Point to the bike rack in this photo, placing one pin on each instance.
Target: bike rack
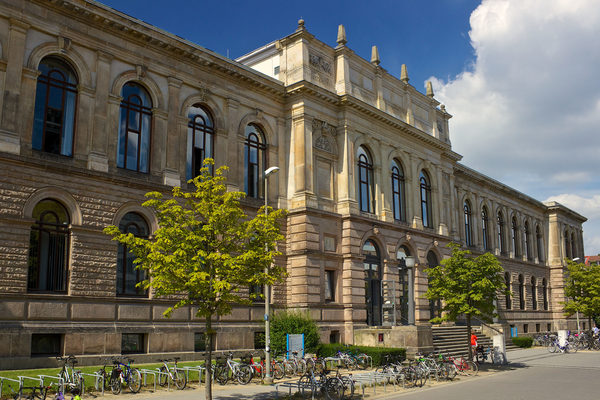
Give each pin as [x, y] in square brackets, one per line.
[96, 376]
[146, 372]
[2, 379]
[197, 368]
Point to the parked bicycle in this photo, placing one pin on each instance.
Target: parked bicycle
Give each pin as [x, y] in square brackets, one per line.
[29, 392]
[230, 370]
[71, 379]
[173, 373]
[313, 383]
[125, 373]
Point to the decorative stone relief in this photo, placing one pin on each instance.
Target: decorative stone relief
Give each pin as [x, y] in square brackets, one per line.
[324, 134]
[203, 92]
[319, 63]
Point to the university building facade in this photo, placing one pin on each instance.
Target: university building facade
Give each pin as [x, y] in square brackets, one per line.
[99, 108]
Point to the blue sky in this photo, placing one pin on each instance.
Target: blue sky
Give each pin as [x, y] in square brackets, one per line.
[520, 77]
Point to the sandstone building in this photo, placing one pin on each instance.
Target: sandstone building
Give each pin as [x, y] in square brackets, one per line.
[98, 108]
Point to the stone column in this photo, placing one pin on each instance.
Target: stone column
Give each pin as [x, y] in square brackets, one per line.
[26, 106]
[236, 164]
[345, 180]
[98, 156]
[417, 221]
[282, 151]
[114, 103]
[85, 119]
[387, 213]
[171, 173]
[438, 203]
[159, 139]
[15, 54]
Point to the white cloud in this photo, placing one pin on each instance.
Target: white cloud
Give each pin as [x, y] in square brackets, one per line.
[527, 112]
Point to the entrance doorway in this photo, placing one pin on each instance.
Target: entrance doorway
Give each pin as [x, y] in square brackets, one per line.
[372, 267]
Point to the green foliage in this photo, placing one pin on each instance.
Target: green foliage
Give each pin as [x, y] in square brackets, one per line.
[206, 249]
[377, 353]
[582, 289]
[522, 341]
[293, 322]
[466, 285]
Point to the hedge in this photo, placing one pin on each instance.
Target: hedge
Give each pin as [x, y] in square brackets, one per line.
[377, 353]
[523, 341]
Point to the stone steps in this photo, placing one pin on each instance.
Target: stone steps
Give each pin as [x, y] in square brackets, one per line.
[453, 340]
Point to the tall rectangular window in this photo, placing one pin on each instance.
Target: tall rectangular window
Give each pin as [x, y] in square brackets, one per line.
[329, 285]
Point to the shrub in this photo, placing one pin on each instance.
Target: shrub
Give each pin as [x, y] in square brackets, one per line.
[377, 353]
[523, 341]
[285, 322]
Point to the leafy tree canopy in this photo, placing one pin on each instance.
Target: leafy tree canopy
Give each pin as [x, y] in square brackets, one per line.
[582, 289]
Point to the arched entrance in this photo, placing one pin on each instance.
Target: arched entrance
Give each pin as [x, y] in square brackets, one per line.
[372, 267]
[405, 274]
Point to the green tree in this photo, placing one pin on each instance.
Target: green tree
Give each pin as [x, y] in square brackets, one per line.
[467, 286]
[582, 290]
[293, 322]
[206, 250]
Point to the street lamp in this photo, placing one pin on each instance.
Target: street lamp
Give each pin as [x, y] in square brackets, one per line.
[578, 330]
[407, 264]
[268, 379]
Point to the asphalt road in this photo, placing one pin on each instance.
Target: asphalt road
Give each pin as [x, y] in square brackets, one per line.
[534, 374]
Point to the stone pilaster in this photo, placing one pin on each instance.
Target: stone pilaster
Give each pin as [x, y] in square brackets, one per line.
[98, 156]
[9, 135]
[233, 160]
[171, 172]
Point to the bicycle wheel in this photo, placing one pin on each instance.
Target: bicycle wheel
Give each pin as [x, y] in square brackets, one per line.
[348, 386]
[301, 367]
[222, 374]
[451, 371]
[470, 368]
[134, 380]
[552, 347]
[115, 382]
[288, 369]
[243, 374]
[334, 388]
[102, 377]
[180, 379]
[277, 371]
[78, 382]
[163, 376]
[362, 362]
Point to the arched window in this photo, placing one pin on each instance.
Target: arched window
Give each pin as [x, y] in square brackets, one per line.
[521, 292]
[128, 276]
[468, 223]
[372, 267]
[366, 191]
[425, 199]
[398, 199]
[545, 293]
[515, 237]
[49, 248]
[540, 244]
[567, 245]
[507, 283]
[199, 139]
[135, 128]
[501, 241]
[485, 224]
[533, 293]
[435, 306]
[254, 161]
[528, 253]
[55, 105]
[573, 247]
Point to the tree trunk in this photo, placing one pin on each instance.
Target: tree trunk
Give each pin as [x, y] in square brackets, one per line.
[469, 336]
[589, 323]
[208, 341]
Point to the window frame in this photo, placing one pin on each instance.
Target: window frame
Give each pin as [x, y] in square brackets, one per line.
[534, 302]
[143, 132]
[45, 84]
[507, 282]
[365, 169]
[426, 206]
[515, 237]
[56, 238]
[521, 292]
[329, 283]
[398, 192]
[123, 260]
[501, 234]
[468, 223]
[253, 171]
[207, 130]
[485, 227]
[540, 244]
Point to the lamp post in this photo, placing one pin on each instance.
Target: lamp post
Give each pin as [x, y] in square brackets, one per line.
[407, 264]
[578, 330]
[268, 379]
[410, 265]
